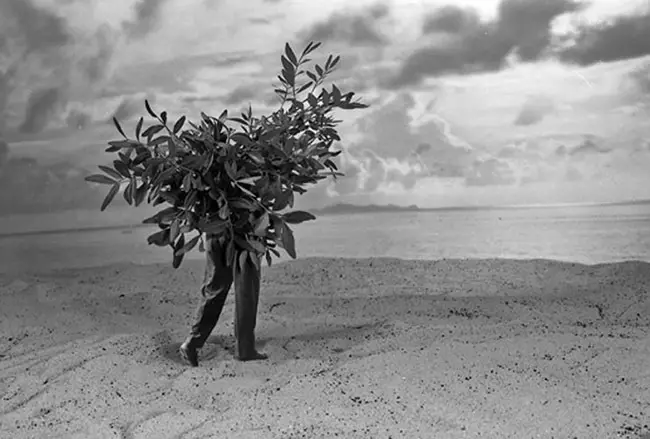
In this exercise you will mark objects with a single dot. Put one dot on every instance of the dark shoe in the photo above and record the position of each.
(254, 356)
(189, 354)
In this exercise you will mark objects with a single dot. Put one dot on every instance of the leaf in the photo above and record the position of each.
(242, 139)
(122, 168)
(201, 246)
(179, 124)
(287, 65)
(162, 216)
(188, 246)
(152, 130)
(314, 47)
(297, 217)
(140, 193)
(171, 146)
(176, 262)
(243, 203)
(187, 183)
(163, 117)
(160, 238)
(119, 128)
(335, 62)
(336, 94)
(282, 200)
(312, 77)
(109, 196)
(174, 230)
(149, 110)
(138, 128)
(159, 140)
(128, 193)
(319, 70)
(134, 188)
(215, 227)
(256, 245)
(99, 178)
(290, 54)
(110, 171)
(288, 241)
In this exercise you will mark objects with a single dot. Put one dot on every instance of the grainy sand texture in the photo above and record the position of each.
(368, 348)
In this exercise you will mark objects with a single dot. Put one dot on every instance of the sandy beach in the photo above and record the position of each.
(359, 348)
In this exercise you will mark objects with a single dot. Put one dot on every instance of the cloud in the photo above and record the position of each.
(128, 107)
(147, 14)
(356, 29)
(641, 79)
(41, 106)
(241, 94)
(44, 62)
(588, 146)
(622, 38)
(4, 152)
(489, 172)
(534, 110)
(78, 119)
(462, 43)
(26, 186)
(399, 151)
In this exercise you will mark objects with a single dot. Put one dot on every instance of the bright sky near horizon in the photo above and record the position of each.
(472, 101)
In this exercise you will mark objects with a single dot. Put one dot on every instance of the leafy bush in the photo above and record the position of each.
(230, 183)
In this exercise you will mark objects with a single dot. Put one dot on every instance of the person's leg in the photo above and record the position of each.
(217, 282)
(247, 290)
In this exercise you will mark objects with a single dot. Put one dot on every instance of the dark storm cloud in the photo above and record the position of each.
(451, 19)
(95, 66)
(147, 14)
(41, 53)
(4, 152)
(357, 29)
(625, 37)
(463, 43)
(37, 28)
(41, 106)
(534, 110)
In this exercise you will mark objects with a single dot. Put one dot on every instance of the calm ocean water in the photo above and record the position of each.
(587, 234)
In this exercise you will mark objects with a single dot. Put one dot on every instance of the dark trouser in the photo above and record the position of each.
(217, 282)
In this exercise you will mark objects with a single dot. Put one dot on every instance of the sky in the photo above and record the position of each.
(472, 102)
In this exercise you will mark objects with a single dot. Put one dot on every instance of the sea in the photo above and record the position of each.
(588, 234)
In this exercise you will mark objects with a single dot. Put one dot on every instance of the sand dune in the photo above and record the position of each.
(371, 348)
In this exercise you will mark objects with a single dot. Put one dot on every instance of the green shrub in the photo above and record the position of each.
(233, 183)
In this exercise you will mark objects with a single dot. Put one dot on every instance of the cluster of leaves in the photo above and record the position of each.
(233, 183)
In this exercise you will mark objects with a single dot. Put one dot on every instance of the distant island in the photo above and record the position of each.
(343, 208)
(346, 208)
